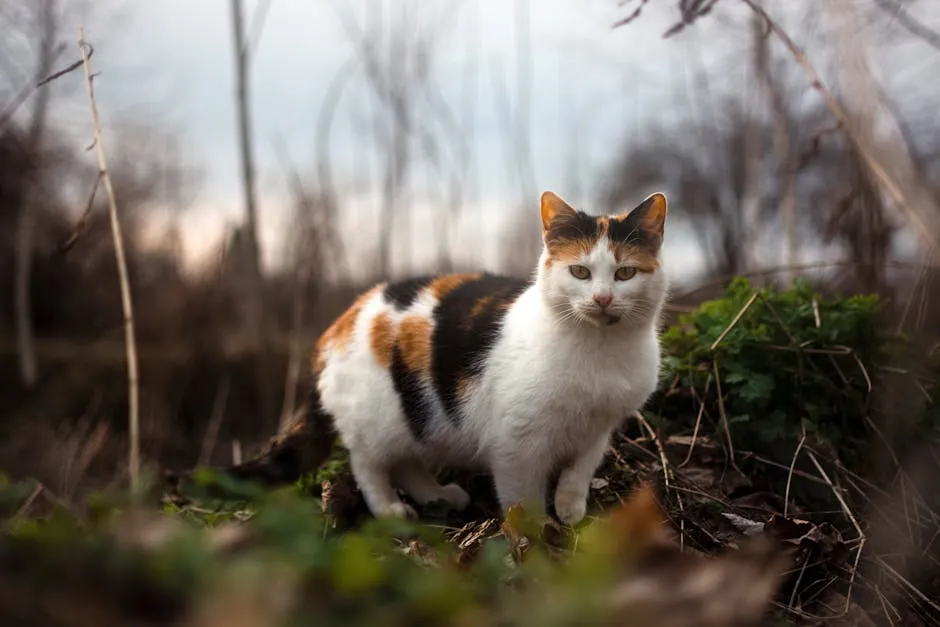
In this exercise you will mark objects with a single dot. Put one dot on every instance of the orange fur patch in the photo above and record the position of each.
(568, 251)
(442, 286)
(338, 335)
(639, 256)
(414, 342)
(382, 339)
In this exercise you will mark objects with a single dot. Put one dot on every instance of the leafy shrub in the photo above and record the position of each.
(783, 361)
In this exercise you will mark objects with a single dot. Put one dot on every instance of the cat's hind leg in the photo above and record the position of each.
(420, 484)
(375, 483)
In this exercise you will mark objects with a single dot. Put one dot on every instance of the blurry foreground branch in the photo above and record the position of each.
(910, 198)
(917, 28)
(126, 304)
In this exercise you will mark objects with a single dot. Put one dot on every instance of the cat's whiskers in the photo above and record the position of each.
(566, 311)
(570, 314)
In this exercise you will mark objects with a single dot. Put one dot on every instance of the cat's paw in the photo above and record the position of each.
(401, 510)
(455, 496)
(570, 507)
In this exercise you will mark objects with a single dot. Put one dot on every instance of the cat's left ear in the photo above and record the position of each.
(650, 215)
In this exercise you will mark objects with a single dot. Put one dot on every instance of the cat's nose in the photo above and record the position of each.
(603, 300)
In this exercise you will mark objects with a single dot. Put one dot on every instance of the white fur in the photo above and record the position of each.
(556, 384)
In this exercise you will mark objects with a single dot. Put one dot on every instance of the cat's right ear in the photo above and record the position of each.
(552, 207)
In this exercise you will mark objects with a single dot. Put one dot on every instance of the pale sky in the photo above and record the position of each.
(591, 88)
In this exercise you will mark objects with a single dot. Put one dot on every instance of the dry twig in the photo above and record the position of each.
(127, 307)
(734, 322)
(667, 473)
(848, 512)
(31, 86)
(81, 227)
(796, 454)
(698, 420)
(724, 415)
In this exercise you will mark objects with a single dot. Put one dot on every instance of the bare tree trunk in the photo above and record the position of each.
(26, 224)
(256, 323)
(242, 100)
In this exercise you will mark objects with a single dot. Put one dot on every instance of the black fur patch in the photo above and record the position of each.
(302, 449)
(625, 231)
(408, 386)
(628, 229)
(577, 226)
(461, 341)
(402, 294)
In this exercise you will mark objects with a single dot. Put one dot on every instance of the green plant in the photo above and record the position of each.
(287, 567)
(784, 361)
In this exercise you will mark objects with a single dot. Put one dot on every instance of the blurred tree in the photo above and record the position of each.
(45, 28)
(413, 126)
(257, 325)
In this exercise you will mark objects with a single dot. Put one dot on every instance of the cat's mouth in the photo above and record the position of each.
(603, 319)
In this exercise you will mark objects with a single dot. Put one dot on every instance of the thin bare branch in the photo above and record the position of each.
(27, 89)
(67, 70)
(848, 512)
(724, 415)
(796, 454)
(914, 26)
(127, 306)
(81, 227)
(737, 318)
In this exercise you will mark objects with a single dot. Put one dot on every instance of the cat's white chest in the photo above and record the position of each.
(605, 383)
(572, 382)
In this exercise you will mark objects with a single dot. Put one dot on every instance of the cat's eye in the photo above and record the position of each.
(625, 273)
(580, 272)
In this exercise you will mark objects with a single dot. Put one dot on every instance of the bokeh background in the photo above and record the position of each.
(267, 171)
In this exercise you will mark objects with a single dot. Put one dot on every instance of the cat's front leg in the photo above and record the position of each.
(574, 482)
(520, 480)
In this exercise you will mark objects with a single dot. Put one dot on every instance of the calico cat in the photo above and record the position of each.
(520, 378)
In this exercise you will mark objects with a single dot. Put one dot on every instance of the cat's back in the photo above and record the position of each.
(417, 346)
(413, 314)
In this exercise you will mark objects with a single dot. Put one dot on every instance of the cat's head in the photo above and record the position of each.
(602, 270)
